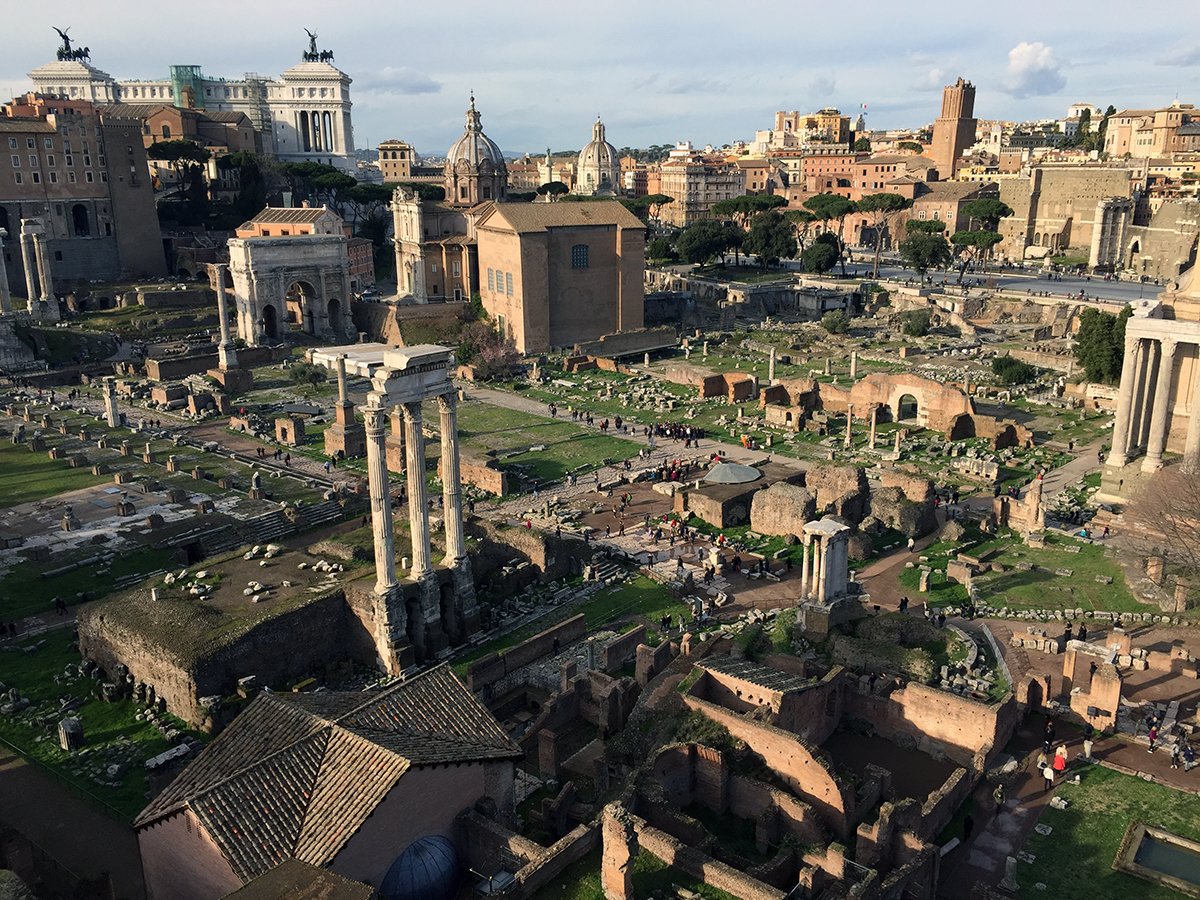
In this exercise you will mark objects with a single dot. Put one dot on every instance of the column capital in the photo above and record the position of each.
(411, 411)
(447, 401)
(375, 418)
(1169, 346)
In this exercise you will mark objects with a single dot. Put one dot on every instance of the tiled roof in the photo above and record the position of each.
(288, 215)
(296, 775)
(530, 217)
(295, 880)
(756, 674)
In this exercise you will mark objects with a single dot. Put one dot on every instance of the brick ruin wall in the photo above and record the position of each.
(621, 650)
(491, 668)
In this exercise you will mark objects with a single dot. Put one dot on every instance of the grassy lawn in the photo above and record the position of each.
(1076, 859)
(1039, 588)
(639, 597)
(744, 274)
(581, 881)
(26, 476)
(106, 726)
(26, 590)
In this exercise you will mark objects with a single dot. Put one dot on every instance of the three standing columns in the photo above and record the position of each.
(1145, 405)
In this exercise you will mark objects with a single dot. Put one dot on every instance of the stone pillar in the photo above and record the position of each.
(1157, 442)
(804, 571)
(822, 568)
(874, 422)
(340, 368)
(1145, 398)
(1191, 447)
(43, 264)
(853, 363)
(381, 502)
(1119, 454)
(418, 511)
(771, 368)
(451, 482)
(5, 294)
(849, 424)
(620, 846)
(828, 366)
(226, 352)
(31, 291)
(897, 443)
(395, 442)
(111, 414)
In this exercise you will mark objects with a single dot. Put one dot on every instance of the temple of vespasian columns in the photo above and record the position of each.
(420, 616)
(1160, 387)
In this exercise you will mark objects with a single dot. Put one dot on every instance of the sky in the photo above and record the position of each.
(656, 71)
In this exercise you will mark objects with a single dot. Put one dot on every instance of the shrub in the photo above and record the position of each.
(836, 321)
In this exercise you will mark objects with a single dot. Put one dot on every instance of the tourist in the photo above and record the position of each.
(1083, 631)
(998, 796)
(1040, 762)
(1153, 735)
(1189, 754)
(1088, 734)
(911, 544)
(1176, 754)
(1060, 759)
(1048, 734)
(1048, 775)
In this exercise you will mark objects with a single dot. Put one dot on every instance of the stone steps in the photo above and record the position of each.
(322, 513)
(266, 528)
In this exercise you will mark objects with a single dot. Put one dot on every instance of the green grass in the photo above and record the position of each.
(103, 723)
(581, 881)
(26, 590)
(1075, 860)
(638, 597)
(26, 476)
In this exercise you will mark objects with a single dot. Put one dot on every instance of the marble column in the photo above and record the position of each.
(1191, 447)
(771, 368)
(804, 571)
(874, 422)
(112, 414)
(451, 481)
(340, 368)
(31, 292)
(1119, 454)
(849, 425)
(418, 507)
(226, 352)
(381, 501)
(853, 363)
(1145, 396)
(43, 264)
(5, 294)
(823, 568)
(1157, 442)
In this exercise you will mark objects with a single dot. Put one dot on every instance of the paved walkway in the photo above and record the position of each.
(1084, 463)
(71, 830)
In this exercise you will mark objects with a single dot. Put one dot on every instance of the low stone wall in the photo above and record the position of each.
(621, 650)
(491, 668)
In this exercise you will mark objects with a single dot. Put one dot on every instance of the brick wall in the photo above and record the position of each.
(494, 666)
(621, 650)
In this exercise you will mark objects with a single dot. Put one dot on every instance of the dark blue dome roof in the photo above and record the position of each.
(427, 869)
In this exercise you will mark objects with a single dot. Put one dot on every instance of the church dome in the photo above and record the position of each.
(426, 870)
(474, 147)
(599, 170)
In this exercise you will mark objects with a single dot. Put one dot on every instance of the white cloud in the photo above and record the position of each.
(1033, 71)
(1180, 55)
(399, 80)
(934, 79)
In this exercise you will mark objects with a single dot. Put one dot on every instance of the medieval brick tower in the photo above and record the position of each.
(954, 130)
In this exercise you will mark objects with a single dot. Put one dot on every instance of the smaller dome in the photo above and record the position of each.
(427, 869)
(731, 473)
(474, 147)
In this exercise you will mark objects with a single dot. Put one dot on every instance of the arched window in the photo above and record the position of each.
(79, 219)
(579, 256)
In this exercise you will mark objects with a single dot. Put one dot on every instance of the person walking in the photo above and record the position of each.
(1153, 735)
(1060, 759)
(1088, 733)
(1048, 776)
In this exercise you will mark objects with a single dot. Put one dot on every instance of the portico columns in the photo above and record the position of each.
(5, 295)
(1162, 403)
(1119, 454)
(381, 501)
(1191, 447)
(1149, 354)
(418, 512)
(43, 264)
(451, 488)
(804, 570)
(31, 292)
(824, 565)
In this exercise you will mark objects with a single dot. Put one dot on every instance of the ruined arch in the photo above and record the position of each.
(907, 408)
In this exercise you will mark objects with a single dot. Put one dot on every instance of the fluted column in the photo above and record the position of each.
(226, 352)
(5, 295)
(43, 264)
(451, 481)
(381, 501)
(1191, 447)
(1145, 399)
(31, 291)
(1119, 454)
(418, 513)
(804, 571)
(1162, 407)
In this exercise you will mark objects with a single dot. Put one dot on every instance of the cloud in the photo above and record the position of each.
(399, 80)
(822, 87)
(1180, 55)
(1033, 71)
(934, 79)
(656, 83)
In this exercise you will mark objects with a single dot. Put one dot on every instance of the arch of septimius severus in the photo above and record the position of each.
(1157, 410)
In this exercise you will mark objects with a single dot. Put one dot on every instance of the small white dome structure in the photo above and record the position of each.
(599, 169)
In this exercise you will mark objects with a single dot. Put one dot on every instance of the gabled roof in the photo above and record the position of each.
(296, 775)
(756, 674)
(295, 880)
(531, 217)
(289, 215)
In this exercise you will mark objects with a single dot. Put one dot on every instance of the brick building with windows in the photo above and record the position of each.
(81, 171)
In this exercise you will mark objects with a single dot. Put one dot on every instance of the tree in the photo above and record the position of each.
(661, 247)
(1102, 128)
(862, 145)
(879, 208)
(1100, 344)
(426, 192)
(910, 145)
(553, 190)
(368, 204)
(740, 210)
(492, 354)
(925, 226)
(1162, 519)
(251, 195)
(770, 238)
(828, 208)
(307, 374)
(819, 258)
(923, 251)
(801, 221)
(646, 208)
(702, 242)
(915, 322)
(1011, 370)
(186, 159)
(836, 321)
(988, 211)
(320, 184)
(972, 246)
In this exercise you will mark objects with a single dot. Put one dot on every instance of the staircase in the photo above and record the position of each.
(266, 528)
(324, 513)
